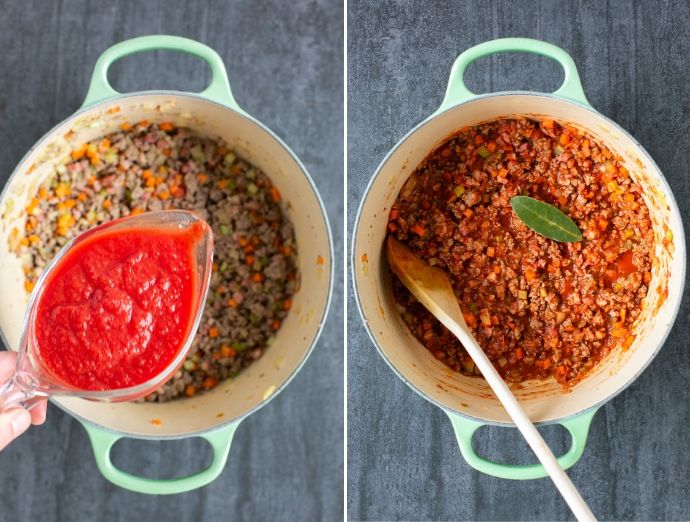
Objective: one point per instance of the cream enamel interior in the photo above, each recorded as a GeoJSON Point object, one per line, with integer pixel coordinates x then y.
{"type": "Point", "coordinates": [544, 401]}
{"type": "Point", "coordinates": [231, 399]}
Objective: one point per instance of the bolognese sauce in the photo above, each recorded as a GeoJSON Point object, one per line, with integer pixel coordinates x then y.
{"type": "Point", "coordinates": [537, 307]}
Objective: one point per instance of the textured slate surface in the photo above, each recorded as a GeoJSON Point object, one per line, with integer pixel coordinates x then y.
{"type": "Point", "coordinates": [403, 462]}
{"type": "Point", "coordinates": [285, 64]}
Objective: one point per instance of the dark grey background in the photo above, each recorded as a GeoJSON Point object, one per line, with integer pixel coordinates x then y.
{"type": "Point", "coordinates": [285, 63]}
{"type": "Point", "coordinates": [633, 57]}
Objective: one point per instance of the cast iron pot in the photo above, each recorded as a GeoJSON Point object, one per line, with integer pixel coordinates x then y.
{"type": "Point", "coordinates": [469, 402]}
{"type": "Point", "coordinates": [216, 414]}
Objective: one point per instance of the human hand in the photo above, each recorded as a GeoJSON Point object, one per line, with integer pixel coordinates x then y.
{"type": "Point", "coordinates": [14, 422]}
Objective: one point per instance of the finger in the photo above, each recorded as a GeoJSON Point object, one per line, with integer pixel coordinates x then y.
{"type": "Point", "coordinates": [38, 413]}
{"type": "Point", "coordinates": [8, 363]}
{"type": "Point", "coordinates": [12, 424]}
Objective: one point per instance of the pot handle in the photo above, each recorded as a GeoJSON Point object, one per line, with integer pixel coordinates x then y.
{"type": "Point", "coordinates": [457, 92]}
{"type": "Point", "coordinates": [102, 441]}
{"type": "Point", "coordinates": [218, 90]}
{"type": "Point", "coordinates": [464, 430]}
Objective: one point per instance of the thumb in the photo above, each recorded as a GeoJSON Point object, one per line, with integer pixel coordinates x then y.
{"type": "Point", "coordinates": [12, 424]}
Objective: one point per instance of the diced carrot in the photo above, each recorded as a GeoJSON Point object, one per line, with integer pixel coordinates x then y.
{"type": "Point", "coordinates": [32, 205]}
{"type": "Point", "coordinates": [106, 204]}
{"type": "Point", "coordinates": [491, 251]}
{"type": "Point", "coordinates": [214, 267]}
{"type": "Point", "coordinates": [478, 139]}
{"type": "Point", "coordinates": [178, 192]}
{"type": "Point", "coordinates": [209, 382]}
{"type": "Point", "coordinates": [468, 213]}
{"type": "Point", "coordinates": [560, 373]}
{"type": "Point", "coordinates": [203, 178]}
{"type": "Point", "coordinates": [232, 303]}
{"type": "Point", "coordinates": [228, 351]}
{"type": "Point", "coordinates": [544, 364]}
{"type": "Point", "coordinates": [275, 194]}
{"type": "Point", "coordinates": [470, 319]}
{"type": "Point", "coordinates": [213, 332]}
{"type": "Point", "coordinates": [29, 286]}
{"type": "Point", "coordinates": [491, 146]}
{"type": "Point", "coordinates": [190, 390]}
{"type": "Point", "coordinates": [136, 211]}
{"type": "Point", "coordinates": [77, 154]}
{"type": "Point", "coordinates": [628, 342]}
{"type": "Point", "coordinates": [223, 183]}
{"type": "Point", "coordinates": [42, 193]}
{"type": "Point", "coordinates": [394, 214]}
{"type": "Point", "coordinates": [166, 126]}
{"type": "Point", "coordinates": [143, 124]}
{"type": "Point", "coordinates": [419, 230]}
{"type": "Point", "coordinates": [165, 195]}
{"type": "Point", "coordinates": [565, 139]}
{"type": "Point", "coordinates": [81, 196]}
{"type": "Point", "coordinates": [530, 274]}
{"type": "Point", "coordinates": [519, 353]}
{"type": "Point", "coordinates": [496, 269]}
{"type": "Point", "coordinates": [257, 277]}
{"type": "Point", "coordinates": [24, 241]}
{"type": "Point", "coordinates": [287, 251]}
{"type": "Point", "coordinates": [104, 145]}
{"type": "Point", "coordinates": [619, 332]}
{"type": "Point", "coordinates": [287, 304]}
{"type": "Point", "coordinates": [126, 126]}
{"type": "Point", "coordinates": [275, 324]}
{"type": "Point", "coordinates": [547, 123]}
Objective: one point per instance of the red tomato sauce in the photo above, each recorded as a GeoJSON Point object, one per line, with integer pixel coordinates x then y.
{"type": "Point", "coordinates": [118, 307]}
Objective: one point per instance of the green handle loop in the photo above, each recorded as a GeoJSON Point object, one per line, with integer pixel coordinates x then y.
{"type": "Point", "coordinates": [457, 92]}
{"type": "Point", "coordinates": [218, 90]}
{"type": "Point", "coordinates": [102, 441]}
{"type": "Point", "coordinates": [465, 428]}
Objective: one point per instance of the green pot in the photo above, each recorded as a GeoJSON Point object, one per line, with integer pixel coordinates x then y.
{"type": "Point", "coordinates": [469, 402]}
{"type": "Point", "coordinates": [214, 415]}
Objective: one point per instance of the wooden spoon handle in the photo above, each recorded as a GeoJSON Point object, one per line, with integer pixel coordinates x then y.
{"type": "Point", "coordinates": [524, 424]}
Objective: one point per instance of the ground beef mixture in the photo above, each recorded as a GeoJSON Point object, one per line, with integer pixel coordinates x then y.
{"type": "Point", "coordinates": [153, 167]}
{"type": "Point", "coordinates": [537, 307]}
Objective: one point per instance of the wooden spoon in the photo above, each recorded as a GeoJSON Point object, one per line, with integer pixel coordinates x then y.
{"type": "Point", "coordinates": [433, 289]}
